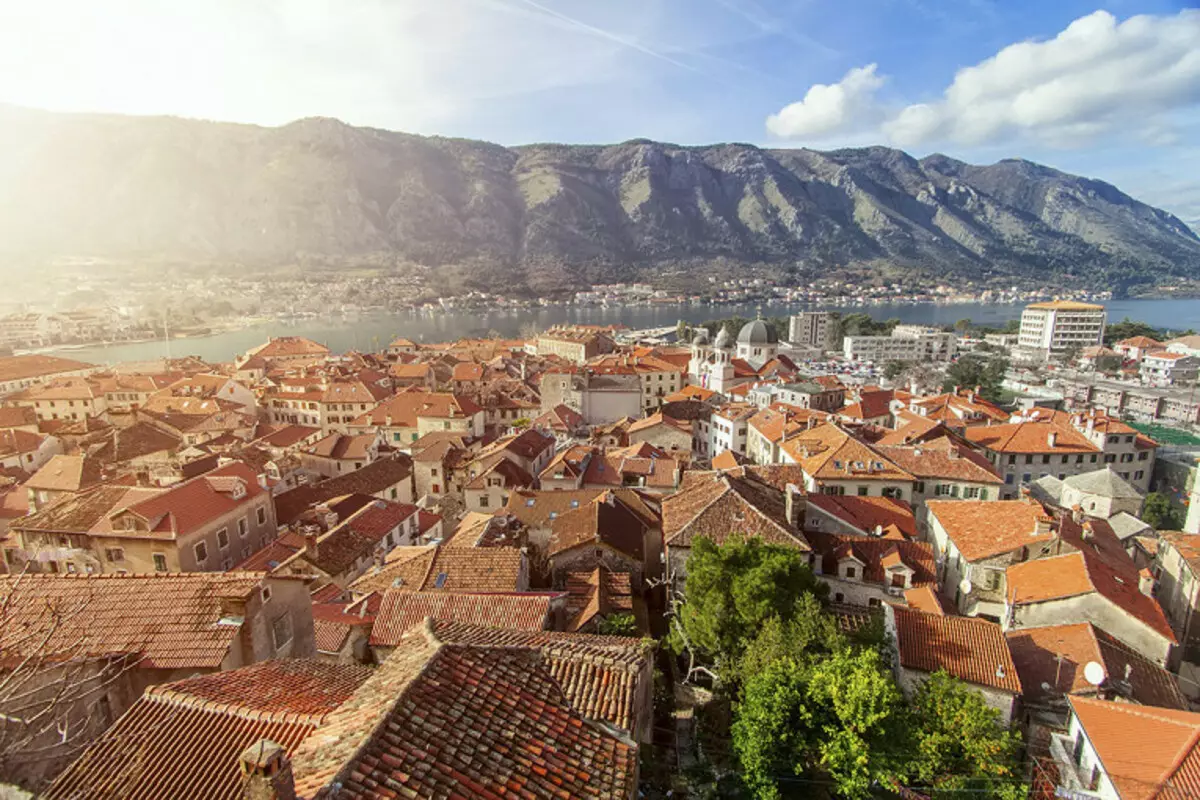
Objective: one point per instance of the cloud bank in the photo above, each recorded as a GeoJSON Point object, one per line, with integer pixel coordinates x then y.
{"type": "Point", "coordinates": [1097, 77]}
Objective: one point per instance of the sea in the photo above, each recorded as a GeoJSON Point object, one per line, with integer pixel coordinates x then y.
{"type": "Point", "coordinates": [373, 331]}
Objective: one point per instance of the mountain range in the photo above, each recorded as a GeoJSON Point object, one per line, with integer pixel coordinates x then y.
{"type": "Point", "coordinates": [552, 216]}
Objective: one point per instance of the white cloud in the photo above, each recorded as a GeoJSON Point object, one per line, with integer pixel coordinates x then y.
{"type": "Point", "coordinates": [1096, 76]}
{"type": "Point", "coordinates": [828, 109]}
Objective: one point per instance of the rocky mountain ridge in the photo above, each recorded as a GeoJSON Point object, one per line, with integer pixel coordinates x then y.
{"type": "Point", "coordinates": [551, 216]}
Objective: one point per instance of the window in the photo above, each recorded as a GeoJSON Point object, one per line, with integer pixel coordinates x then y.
{"type": "Point", "coordinates": [281, 630]}
{"type": "Point", "coordinates": [1046, 459]}
{"type": "Point", "coordinates": [1026, 478]}
{"type": "Point", "coordinates": [262, 516]}
{"type": "Point", "coordinates": [863, 491]}
{"type": "Point", "coordinates": [394, 493]}
{"type": "Point", "coordinates": [226, 563]}
{"type": "Point", "coordinates": [1029, 459]}
{"type": "Point", "coordinates": [839, 597]}
{"type": "Point", "coordinates": [873, 602]}
{"type": "Point", "coordinates": [222, 539]}
{"type": "Point", "coordinates": [1137, 476]}
{"type": "Point", "coordinates": [266, 594]}
{"type": "Point", "coordinates": [433, 472]}
{"type": "Point", "coordinates": [483, 501]}
{"type": "Point", "coordinates": [1012, 459]}
{"type": "Point", "coordinates": [1008, 479]}
{"type": "Point", "coordinates": [71, 568]}
{"type": "Point", "coordinates": [201, 551]}
{"type": "Point", "coordinates": [851, 572]}
{"type": "Point", "coordinates": [114, 554]}
{"type": "Point", "coordinates": [160, 562]}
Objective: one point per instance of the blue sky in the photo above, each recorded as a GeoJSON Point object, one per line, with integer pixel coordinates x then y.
{"type": "Point", "coordinates": [1106, 89]}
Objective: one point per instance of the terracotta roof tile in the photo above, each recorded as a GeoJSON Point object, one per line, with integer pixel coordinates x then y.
{"type": "Point", "coordinates": [981, 529]}
{"type": "Point", "coordinates": [447, 720]}
{"type": "Point", "coordinates": [175, 627]}
{"type": "Point", "coordinates": [600, 675]}
{"type": "Point", "coordinates": [435, 568]}
{"type": "Point", "coordinates": [721, 505]}
{"type": "Point", "coordinates": [401, 610]}
{"type": "Point", "coordinates": [828, 452]}
{"type": "Point", "coordinates": [1056, 655]}
{"type": "Point", "coordinates": [973, 650]}
{"type": "Point", "coordinates": [876, 556]}
{"type": "Point", "coordinates": [1148, 753]}
{"type": "Point", "coordinates": [17, 368]}
{"type": "Point", "coordinates": [213, 719]}
{"type": "Point", "coordinates": [868, 514]}
{"type": "Point", "coordinates": [371, 479]}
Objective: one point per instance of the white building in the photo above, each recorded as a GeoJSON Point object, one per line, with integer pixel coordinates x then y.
{"type": "Point", "coordinates": [1164, 368]}
{"type": "Point", "coordinates": [906, 343]}
{"type": "Point", "coordinates": [1052, 329]}
{"type": "Point", "coordinates": [811, 329]}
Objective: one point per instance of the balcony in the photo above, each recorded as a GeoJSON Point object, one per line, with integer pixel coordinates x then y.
{"type": "Point", "coordinates": [1072, 784]}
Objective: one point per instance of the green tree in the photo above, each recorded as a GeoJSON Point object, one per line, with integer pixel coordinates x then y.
{"type": "Point", "coordinates": [809, 631]}
{"type": "Point", "coordinates": [1127, 329]}
{"type": "Point", "coordinates": [618, 625]}
{"type": "Point", "coordinates": [960, 745]}
{"type": "Point", "coordinates": [894, 369]}
{"type": "Point", "coordinates": [985, 372]}
{"type": "Point", "coordinates": [1158, 513]}
{"type": "Point", "coordinates": [963, 325]}
{"type": "Point", "coordinates": [734, 588]}
{"type": "Point", "coordinates": [840, 718]}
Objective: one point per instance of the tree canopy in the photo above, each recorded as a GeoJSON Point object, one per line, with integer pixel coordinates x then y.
{"type": "Point", "coordinates": [1158, 513]}
{"type": "Point", "coordinates": [839, 716]}
{"type": "Point", "coordinates": [986, 372]}
{"type": "Point", "coordinates": [733, 589]}
{"type": "Point", "coordinates": [1127, 329]}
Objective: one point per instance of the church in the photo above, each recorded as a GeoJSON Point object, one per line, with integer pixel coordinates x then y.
{"type": "Point", "coordinates": [722, 364]}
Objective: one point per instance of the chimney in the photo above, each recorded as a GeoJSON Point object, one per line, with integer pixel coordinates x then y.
{"type": "Point", "coordinates": [1146, 582]}
{"type": "Point", "coordinates": [310, 540]}
{"type": "Point", "coordinates": [794, 504]}
{"type": "Point", "coordinates": [1051, 438]}
{"type": "Point", "coordinates": [1086, 532]}
{"type": "Point", "coordinates": [267, 772]}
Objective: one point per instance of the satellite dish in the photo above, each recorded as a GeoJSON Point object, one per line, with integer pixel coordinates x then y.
{"type": "Point", "coordinates": [1094, 672]}
{"type": "Point", "coordinates": [965, 586]}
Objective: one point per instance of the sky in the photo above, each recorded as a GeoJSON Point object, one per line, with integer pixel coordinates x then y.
{"type": "Point", "coordinates": [1105, 89]}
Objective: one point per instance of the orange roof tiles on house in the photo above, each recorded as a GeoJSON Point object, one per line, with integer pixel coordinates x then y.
{"type": "Point", "coordinates": [876, 555]}
{"type": "Point", "coordinates": [870, 405]}
{"type": "Point", "coordinates": [421, 724]}
{"type": "Point", "coordinates": [603, 521]}
{"type": "Point", "coordinates": [982, 529]}
{"type": "Point", "coordinates": [943, 459]}
{"type": "Point", "coordinates": [340, 446]}
{"type": "Point", "coordinates": [289, 347]}
{"type": "Point", "coordinates": [1140, 342]}
{"type": "Point", "coordinates": [560, 419]}
{"type": "Point", "coordinates": [827, 452]}
{"type": "Point", "coordinates": [285, 436]}
{"type": "Point", "coordinates": [1080, 573]}
{"type": "Point", "coordinates": [1055, 655]}
{"type": "Point", "coordinates": [1034, 437]}
{"type": "Point", "coordinates": [19, 368]}
{"type": "Point", "coordinates": [869, 515]}
{"type": "Point", "coordinates": [193, 504]}
{"type": "Point", "coordinates": [425, 568]}
{"type": "Point", "coordinates": [174, 627]}
{"type": "Point", "coordinates": [15, 442]}
{"type": "Point", "coordinates": [973, 650]}
{"type": "Point", "coordinates": [691, 392]}
{"type": "Point", "coordinates": [63, 473]}
{"type": "Point", "coordinates": [404, 409]}
{"type": "Point", "coordinates": [719, 505]}
{"type": "Point", "coordinates": [17, 417]}
{"type": "Point", "coordinates": [928, 599]}
{"type": "Point", "coordinates": [401, 610]}
{"type": "Point", "coordinates": [213, 719]}
{"type": "Point", "coordinates": [598, 674]}
{"type": "Point", "coordinates": [1148, 753]}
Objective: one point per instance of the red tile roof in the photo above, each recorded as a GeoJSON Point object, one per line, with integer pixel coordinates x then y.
{"type": "Point", "coordinates": [1033, 437]}
{"type": "Point", "coordinates": [447, 720]}
{"type": "Point", "coordinates": [981, 529]}
{"type": "Point", "coordinates": [212, 719]}
{"type": "Point", "coordinates": [718, 505]}
{"type": "Point", "coordinates": [175, 625]}
{"type": "Point", "coordinates": [1056, 655]}
{"type": "Point", "coordinates": [1080, 573]}
{"type": "Point", "coordinates": [868, 514]}
{"type": "Point", "coordinates": [943, 459]}
{"type": "Point", "coordinates": [927, 598]}
{"type": "Point", "coordinates": [193, 504]}
{"type": "Point", "coordinates": [433, 567]}
{"type": "Point", "coordinates": [971, 649]}
{"type": "Point", "coordinates": [401, 610]}
{"type": "Point", "coordinates": [1148, 753]}
{"type": "Point", "coordinates": [600, 675]}
{"type": "Point", "coordinates": [17, 368]}
{"type": "Point", "coordinates": [876, 555]}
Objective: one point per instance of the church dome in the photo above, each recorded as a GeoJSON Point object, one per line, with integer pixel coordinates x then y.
{"type": "Point", "coordinates": [724, 338]}
{"type": "Point", "coordinates": [757, 332]}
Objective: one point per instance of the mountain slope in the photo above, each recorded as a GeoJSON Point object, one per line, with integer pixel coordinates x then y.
{"type": "Point", "coordinates": [556, 215]}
